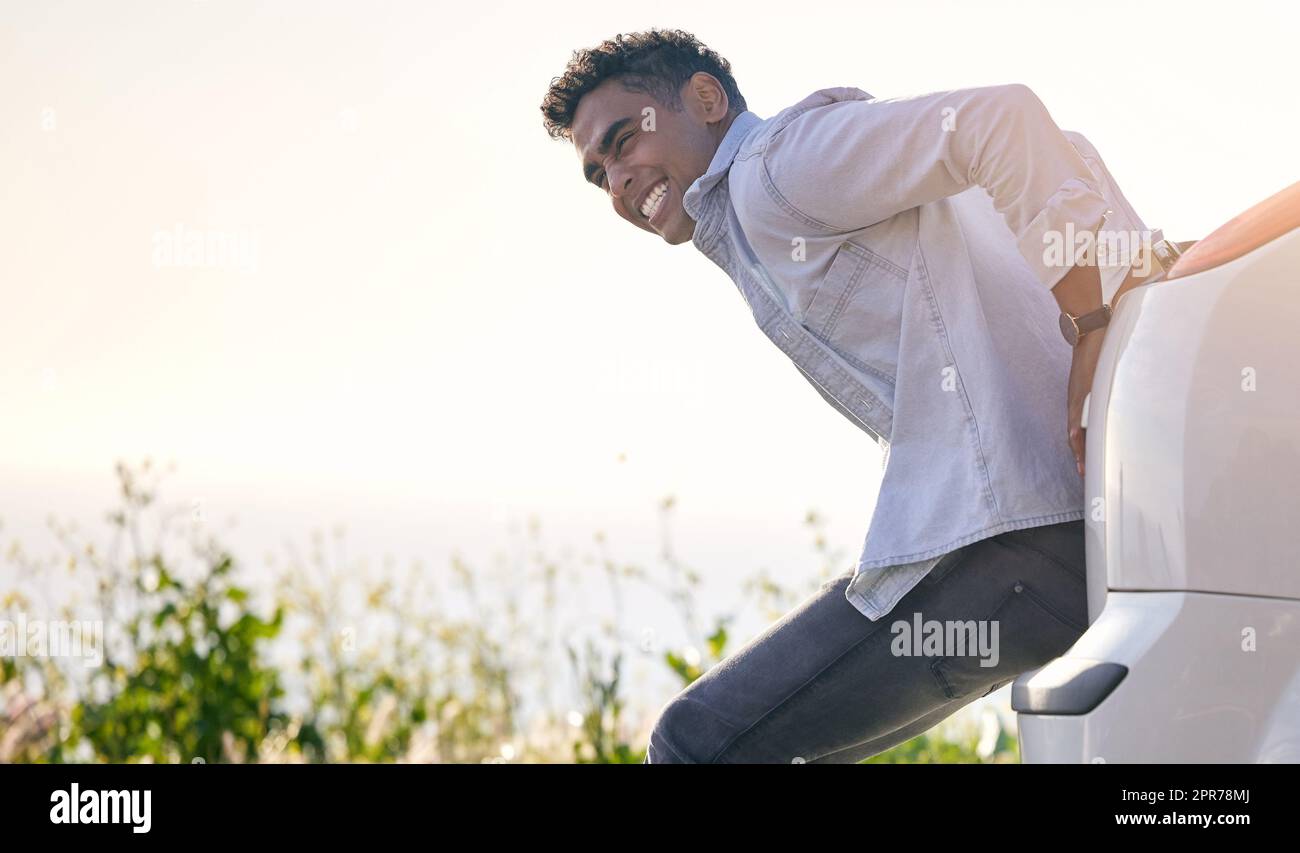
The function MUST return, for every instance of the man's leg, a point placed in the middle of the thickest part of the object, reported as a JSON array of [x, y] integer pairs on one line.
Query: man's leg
[[825, 684]]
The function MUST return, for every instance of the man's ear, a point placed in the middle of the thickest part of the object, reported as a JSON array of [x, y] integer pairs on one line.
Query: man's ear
[[707, 98]]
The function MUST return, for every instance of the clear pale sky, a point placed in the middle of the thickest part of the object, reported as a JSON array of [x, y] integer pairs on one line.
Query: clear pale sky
[[444, 321]]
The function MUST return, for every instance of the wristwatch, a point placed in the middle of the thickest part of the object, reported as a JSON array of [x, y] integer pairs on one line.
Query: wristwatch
[[1074, 328]]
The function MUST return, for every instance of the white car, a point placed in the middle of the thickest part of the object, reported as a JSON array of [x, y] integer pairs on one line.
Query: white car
[[1192, 653]]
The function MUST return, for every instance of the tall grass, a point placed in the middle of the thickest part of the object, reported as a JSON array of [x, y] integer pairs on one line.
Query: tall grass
[[324, 659]]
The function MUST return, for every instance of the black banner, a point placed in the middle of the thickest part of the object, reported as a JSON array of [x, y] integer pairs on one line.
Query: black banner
[[139, 803]]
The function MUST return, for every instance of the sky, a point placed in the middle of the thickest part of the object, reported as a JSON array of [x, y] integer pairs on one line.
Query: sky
[[424, 324]]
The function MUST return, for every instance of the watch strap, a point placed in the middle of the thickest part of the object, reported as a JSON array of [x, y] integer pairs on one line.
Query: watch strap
[[1093, 320]]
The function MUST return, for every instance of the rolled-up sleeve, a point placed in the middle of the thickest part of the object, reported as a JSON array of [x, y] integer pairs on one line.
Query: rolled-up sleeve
[[851, 164]]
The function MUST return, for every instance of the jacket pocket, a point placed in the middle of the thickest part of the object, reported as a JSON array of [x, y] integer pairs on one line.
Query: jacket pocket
[[856, 309], [1031, 632]]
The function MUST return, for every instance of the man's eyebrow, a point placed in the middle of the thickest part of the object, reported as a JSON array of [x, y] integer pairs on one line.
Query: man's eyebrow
[[605, 141]]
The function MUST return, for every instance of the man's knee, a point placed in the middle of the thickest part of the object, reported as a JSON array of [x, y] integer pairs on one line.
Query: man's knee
[[687, 732]]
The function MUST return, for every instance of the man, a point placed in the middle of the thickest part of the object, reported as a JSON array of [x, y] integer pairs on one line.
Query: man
[[919, 260]]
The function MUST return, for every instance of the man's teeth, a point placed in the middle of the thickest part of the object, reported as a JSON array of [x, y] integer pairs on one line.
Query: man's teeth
[[652, 201]]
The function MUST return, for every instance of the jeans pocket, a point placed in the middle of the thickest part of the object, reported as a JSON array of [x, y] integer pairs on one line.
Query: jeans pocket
[[1024, 632], [1059, 544]]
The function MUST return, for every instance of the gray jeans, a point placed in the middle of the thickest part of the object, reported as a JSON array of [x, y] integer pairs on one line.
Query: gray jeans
[[825, 684]]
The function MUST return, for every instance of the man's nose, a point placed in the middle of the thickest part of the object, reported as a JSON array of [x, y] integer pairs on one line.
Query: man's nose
[[620, 183]]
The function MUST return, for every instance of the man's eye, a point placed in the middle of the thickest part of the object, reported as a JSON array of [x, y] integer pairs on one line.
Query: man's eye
[[618, 150]]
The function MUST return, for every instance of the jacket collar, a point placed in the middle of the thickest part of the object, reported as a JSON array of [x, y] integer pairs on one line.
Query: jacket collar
[[707, 228], [741, 125]]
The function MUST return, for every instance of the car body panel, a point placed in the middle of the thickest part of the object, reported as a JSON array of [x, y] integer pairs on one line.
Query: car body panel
[[1192, 528]]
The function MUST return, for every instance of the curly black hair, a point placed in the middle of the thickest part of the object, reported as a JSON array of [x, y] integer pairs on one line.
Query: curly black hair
[[656, 62]]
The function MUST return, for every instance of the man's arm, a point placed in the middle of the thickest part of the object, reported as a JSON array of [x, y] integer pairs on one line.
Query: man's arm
[[855, 163], [1078, 292]]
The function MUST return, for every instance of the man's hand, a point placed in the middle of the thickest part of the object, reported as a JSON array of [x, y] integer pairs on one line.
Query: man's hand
[[1082, 368]]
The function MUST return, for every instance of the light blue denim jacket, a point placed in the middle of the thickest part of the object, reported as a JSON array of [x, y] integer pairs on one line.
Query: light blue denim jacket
[[894, 251]]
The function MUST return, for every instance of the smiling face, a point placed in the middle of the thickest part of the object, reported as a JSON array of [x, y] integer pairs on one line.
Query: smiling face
[[644, 161]]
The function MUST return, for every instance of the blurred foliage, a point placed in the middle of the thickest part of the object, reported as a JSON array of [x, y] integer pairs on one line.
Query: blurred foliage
[[944, 745], [328, 660], [195, 688]]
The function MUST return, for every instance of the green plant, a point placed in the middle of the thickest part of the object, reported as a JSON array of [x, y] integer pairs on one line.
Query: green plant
[[196, 686], [332, 661]]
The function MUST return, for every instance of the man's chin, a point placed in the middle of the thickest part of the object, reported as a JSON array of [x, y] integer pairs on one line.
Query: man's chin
[[677, 235]]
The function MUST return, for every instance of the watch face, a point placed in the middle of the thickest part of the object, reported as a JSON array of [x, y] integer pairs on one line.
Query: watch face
[[1069, 329]]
